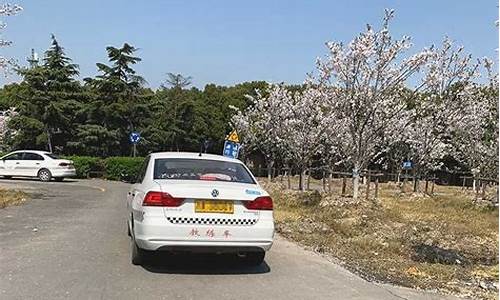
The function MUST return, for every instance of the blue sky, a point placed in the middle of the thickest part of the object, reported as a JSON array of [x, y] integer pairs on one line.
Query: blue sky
[[227, 42]]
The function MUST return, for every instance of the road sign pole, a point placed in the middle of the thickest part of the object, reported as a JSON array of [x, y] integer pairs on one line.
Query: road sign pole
[[135, 149]]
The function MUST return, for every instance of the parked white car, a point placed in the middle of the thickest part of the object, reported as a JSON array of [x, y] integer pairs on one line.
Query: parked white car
[[32, 163], [199, 203]]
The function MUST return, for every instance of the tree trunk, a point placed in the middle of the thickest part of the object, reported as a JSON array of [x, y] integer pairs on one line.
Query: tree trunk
[[323, 181], [270, 164], [329, 182], [355, 183], [49, 141], [302, 176]]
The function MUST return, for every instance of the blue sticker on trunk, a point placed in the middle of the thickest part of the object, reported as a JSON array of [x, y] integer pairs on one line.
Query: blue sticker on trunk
[[252, 192]]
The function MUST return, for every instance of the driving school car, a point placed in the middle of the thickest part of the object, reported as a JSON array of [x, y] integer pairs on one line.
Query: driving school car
[[198, 203]]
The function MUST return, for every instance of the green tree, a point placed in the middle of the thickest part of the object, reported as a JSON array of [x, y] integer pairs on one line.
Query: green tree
[[119, 104], [47, 100]]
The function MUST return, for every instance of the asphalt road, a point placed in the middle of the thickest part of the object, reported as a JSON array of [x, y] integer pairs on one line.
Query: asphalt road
[[70, 242]]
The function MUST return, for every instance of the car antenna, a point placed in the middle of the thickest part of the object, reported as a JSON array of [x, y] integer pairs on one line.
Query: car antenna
[[201, 148]]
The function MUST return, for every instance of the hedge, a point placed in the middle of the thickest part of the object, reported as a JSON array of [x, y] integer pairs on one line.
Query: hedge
[[88, 166], [110, 168], [115, 167]]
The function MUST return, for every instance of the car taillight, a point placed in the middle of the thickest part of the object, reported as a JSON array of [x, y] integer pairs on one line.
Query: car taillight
[[161, 199], [260, 203], [63, 164]]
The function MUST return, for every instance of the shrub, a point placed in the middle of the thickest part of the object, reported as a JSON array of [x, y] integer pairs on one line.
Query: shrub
[[84, 165], [116, 166]]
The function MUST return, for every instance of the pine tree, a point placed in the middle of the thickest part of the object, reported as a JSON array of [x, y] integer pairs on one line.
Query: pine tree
[[49, 99], [119, 104]]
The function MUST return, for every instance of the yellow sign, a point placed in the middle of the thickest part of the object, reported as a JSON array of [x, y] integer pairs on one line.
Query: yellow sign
[[233, 137]]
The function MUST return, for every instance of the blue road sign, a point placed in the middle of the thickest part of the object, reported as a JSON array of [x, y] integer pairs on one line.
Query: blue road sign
[[135, 137], [407, 165], [231, 149]]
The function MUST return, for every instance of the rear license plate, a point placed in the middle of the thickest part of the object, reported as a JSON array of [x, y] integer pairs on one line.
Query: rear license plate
[[209, 206]]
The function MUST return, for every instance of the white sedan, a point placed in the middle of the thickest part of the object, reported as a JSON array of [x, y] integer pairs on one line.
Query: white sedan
[[199, 203], [32, 163]]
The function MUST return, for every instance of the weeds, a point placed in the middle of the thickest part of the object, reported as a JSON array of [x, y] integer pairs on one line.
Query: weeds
[[11, 197], [381, 240]]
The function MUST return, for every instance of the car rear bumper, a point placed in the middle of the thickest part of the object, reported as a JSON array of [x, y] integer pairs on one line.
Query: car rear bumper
[[160, 234], [63, 172]]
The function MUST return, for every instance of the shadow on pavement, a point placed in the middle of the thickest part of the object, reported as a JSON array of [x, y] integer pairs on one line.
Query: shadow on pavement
[[34, 179], [202, 264]]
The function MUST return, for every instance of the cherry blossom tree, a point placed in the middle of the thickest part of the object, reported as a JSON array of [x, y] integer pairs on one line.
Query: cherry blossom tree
[[262, 124], [475, 140], [440, 107], [7, 9], [5, 131], [304, 127], [364, 81]]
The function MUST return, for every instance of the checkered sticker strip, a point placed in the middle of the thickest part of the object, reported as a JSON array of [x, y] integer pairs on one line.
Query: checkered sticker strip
[[212, 221]]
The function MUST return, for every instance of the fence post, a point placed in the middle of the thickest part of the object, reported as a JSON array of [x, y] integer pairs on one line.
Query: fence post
[[405, 179], [432, 187], [415, 182], [483, 193], [308, 178], [343, 185], [368, 179], [426, 184], [376, 187], [324, 181], [288, 171]]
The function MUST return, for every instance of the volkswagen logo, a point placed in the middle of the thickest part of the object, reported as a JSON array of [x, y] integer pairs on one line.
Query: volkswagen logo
[[215, 193]]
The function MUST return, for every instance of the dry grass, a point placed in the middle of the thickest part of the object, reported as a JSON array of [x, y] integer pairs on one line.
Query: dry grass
[[11, 197], [377, 239]]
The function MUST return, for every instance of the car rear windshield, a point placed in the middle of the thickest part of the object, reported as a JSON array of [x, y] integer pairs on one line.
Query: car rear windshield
[[201, 169]]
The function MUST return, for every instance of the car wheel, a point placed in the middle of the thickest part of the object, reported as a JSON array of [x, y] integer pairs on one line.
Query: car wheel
[[254, 258], [44, 175], [59, 179], [138, 255]]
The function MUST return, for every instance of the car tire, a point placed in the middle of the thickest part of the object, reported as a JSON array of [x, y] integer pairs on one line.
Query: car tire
[[59, 179], [44, 175], [254, 258], [138, 255]]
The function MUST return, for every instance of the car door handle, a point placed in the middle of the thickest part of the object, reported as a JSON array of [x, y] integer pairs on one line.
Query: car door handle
[[17, 163], [37, 163]]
